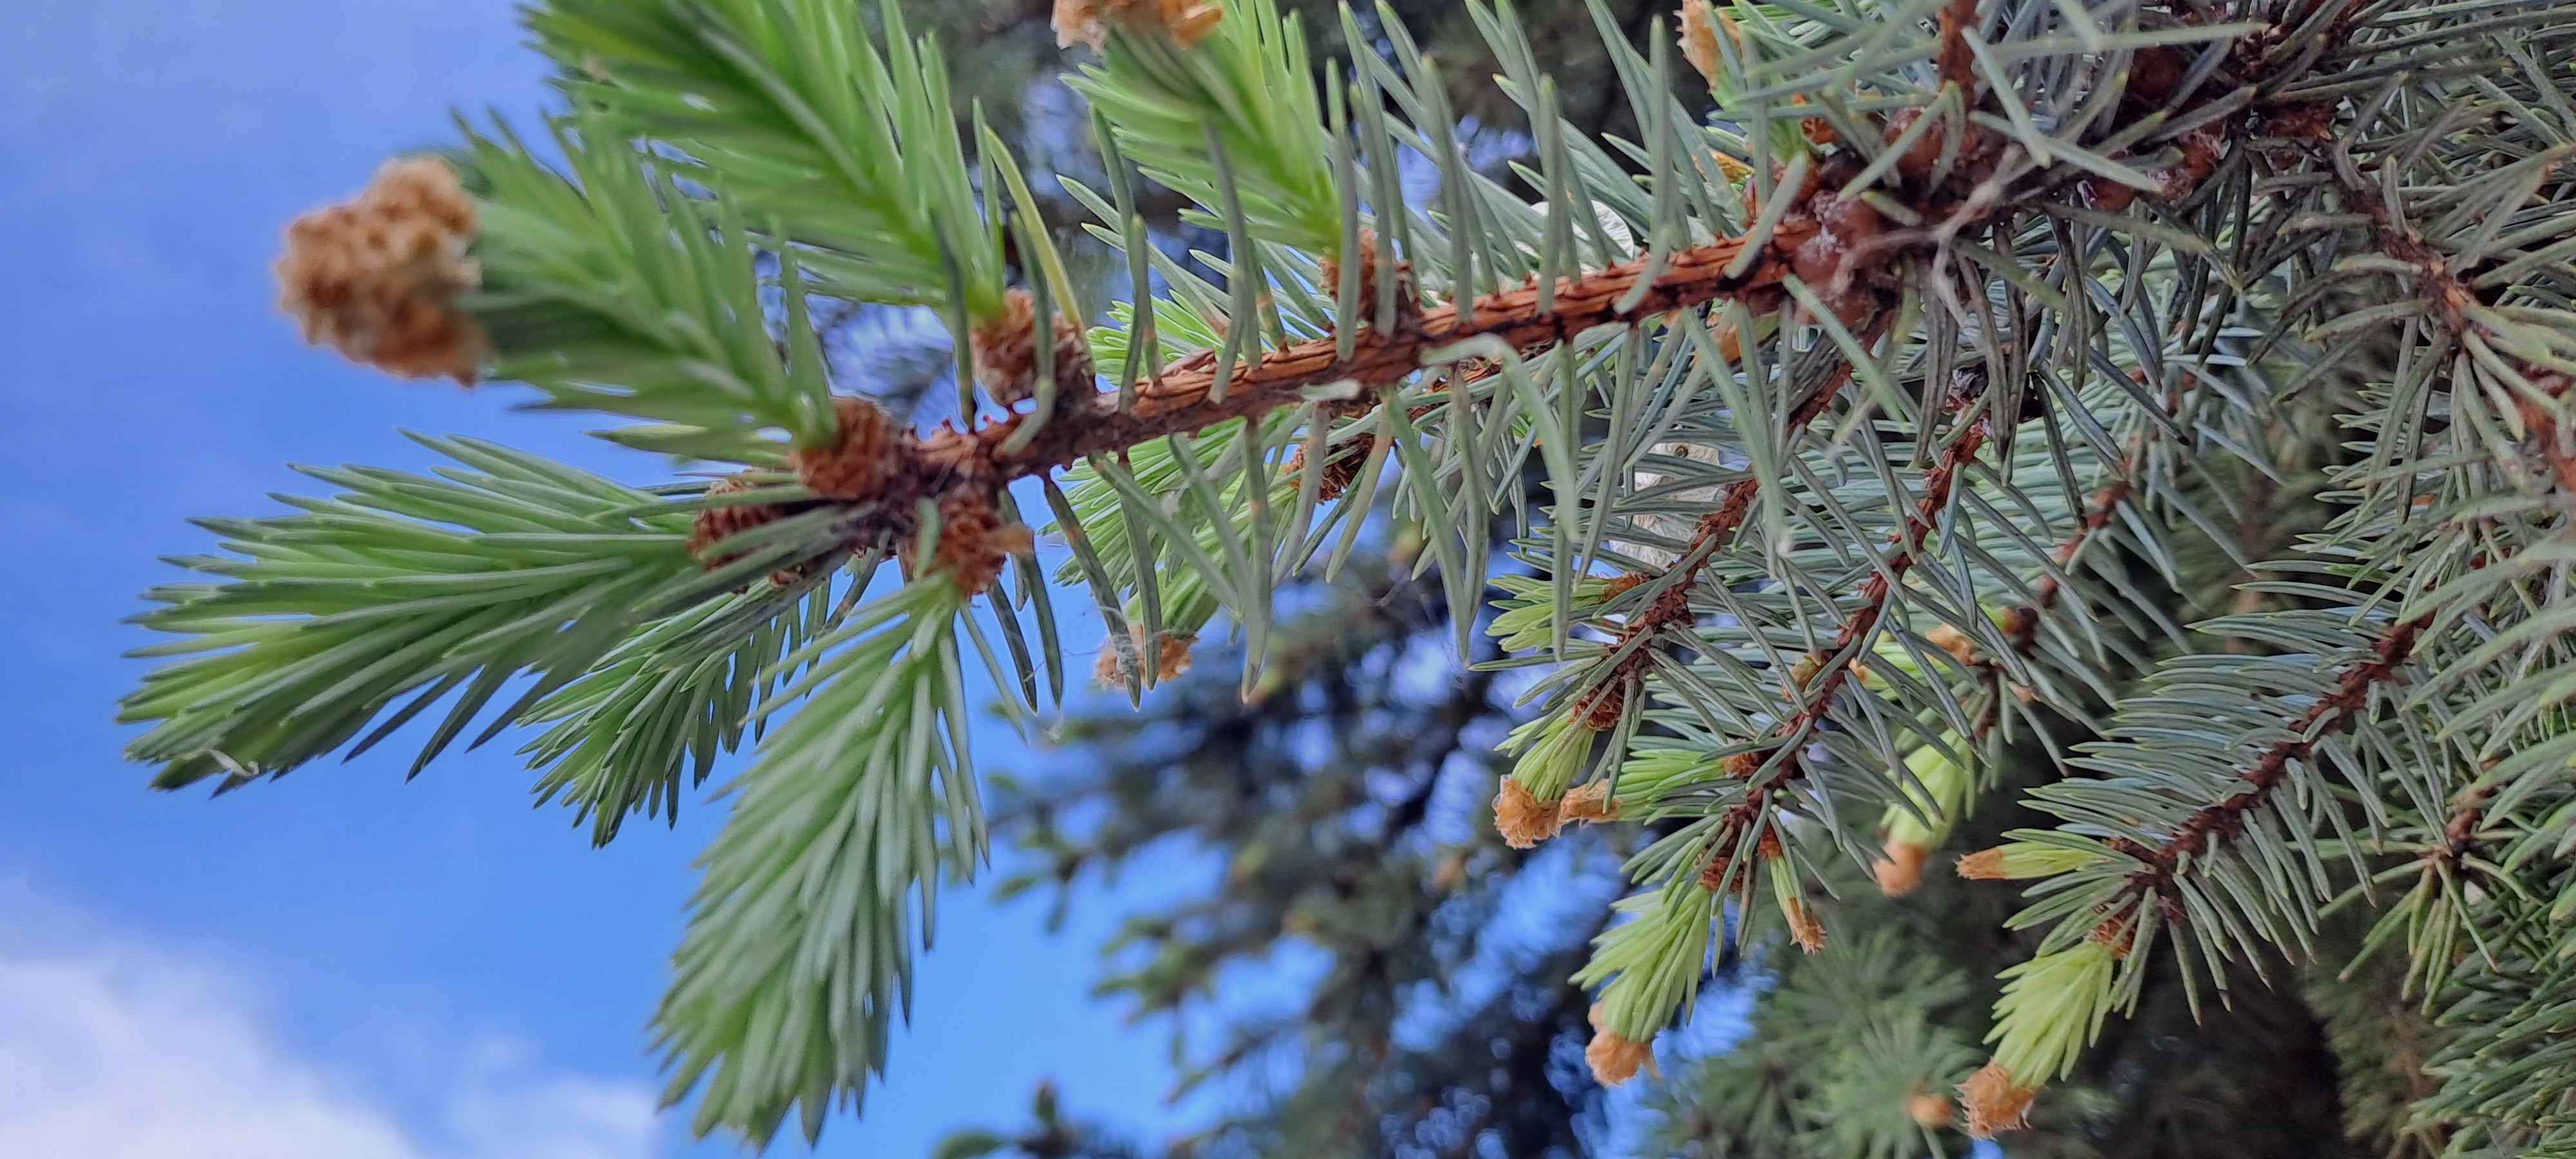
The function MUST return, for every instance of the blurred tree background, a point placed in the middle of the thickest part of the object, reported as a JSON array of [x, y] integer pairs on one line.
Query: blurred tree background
[[1349, 804]]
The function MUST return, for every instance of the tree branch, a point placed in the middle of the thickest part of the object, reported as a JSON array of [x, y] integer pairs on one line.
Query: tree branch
[[1875, 592], [2223, 819]]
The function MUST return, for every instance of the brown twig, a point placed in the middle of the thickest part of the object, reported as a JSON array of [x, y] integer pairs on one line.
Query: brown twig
[[1672, 605], [2224, 818], [1875, 592], [1958, 65], [2022, 623], [1183, 397]]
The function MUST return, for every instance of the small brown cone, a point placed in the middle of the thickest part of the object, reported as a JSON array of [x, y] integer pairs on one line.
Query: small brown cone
[[973, 542], [377, 278], [867, 455], [1614, 1059], [714, 525], [1993, 1103], [1930, 1112], [1522, 819]]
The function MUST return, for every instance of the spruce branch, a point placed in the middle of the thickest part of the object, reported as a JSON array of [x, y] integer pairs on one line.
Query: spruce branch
[[1777, 369], [2354, 691], [1769, 769]]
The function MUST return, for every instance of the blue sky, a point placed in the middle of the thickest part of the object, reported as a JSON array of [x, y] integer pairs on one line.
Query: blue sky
[[339, 964]]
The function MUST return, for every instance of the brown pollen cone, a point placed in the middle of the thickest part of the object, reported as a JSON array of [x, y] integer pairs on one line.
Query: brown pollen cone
[[973, 542], [1994, 1104], [1523, 819], [377, 278], [1005, 351], [867, 455], [714, 525], [1615, 1059], [1599, 709]]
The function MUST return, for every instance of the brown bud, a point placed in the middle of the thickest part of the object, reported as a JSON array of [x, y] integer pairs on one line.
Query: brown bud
[[1187, 22], [1615, 1059], [714, 525], [1817, 258], [1523, 819], [1930, 1112], [2200, 149], [1599, 709], [973, 542], [1994, 1103], [867, 454], [1954, 642], [377, 278], [2104, 194], [1589, 804], [1853, 219], [1923, 154], [2117, 933], [2154, 74], [1341, 467], [1005, 351], [1330, 275], [1901, 870]]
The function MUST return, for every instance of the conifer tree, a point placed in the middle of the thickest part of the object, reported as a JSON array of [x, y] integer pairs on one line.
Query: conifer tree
[[1881, 421]]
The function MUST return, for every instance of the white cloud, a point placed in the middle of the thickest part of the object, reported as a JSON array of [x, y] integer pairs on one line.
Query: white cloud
[[113, 1048]]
